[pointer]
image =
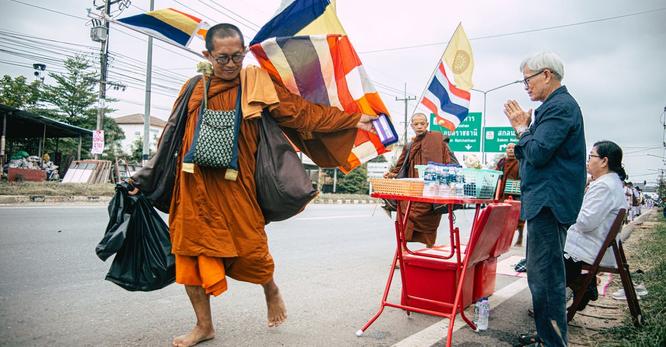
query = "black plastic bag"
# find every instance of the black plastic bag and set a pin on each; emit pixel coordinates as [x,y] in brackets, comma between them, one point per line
[283,186]
[144,261]
[119,217]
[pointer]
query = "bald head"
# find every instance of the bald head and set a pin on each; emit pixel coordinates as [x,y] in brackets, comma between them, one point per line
[419,115]
[419,123]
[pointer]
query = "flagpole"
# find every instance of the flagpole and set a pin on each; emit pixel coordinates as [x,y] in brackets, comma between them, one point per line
[146,110]
[418,102]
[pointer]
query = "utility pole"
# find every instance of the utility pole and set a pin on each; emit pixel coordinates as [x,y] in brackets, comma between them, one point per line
[103,62]
[146,111]
[406,99]
[483,116]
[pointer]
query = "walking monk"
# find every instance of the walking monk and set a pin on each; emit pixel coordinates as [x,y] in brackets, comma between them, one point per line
[216,224]
[426,146]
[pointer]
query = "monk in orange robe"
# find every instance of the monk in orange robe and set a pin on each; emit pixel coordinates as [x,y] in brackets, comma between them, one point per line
[509,167]
[426,146]
[216,224]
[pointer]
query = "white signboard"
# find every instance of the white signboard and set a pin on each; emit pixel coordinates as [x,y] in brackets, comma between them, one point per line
[377,170]
[98,142]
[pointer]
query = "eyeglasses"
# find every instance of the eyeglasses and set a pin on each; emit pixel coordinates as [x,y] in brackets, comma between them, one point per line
[527,79]
[224,59]
[589,156]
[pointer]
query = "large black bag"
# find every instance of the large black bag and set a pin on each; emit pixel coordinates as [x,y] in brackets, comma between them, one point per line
[157,177]
[283,186]
[143,261]
[119,217]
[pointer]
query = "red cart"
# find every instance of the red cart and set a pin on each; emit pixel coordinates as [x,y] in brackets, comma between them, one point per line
[443,281]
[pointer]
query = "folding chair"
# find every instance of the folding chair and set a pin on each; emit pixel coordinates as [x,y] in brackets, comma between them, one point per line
[442,287]
[622,269]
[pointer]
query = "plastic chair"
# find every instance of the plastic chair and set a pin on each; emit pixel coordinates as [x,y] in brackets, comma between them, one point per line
[622,269]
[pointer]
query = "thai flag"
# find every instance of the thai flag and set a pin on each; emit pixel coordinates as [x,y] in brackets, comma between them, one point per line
[306,48]
[449,104]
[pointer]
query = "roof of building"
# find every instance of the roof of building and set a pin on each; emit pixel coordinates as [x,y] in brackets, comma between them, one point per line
[24,124]
[137,118]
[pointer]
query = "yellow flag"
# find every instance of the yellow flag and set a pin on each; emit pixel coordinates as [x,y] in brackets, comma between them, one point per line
[458,56]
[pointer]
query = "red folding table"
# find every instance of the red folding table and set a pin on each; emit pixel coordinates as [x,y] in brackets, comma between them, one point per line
[452,254]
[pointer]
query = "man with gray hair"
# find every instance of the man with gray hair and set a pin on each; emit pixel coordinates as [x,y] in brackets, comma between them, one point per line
[551,152]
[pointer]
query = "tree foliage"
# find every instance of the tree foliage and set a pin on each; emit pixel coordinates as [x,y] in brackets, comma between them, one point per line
[355,182]
[18,93]
[73,100]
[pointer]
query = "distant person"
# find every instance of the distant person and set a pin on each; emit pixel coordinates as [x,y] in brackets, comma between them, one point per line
[601,203]
[426,146]
[510,170]
[551,152]
[629,197]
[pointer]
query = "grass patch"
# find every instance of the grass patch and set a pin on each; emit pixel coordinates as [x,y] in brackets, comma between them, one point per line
[56,189]
[651,258]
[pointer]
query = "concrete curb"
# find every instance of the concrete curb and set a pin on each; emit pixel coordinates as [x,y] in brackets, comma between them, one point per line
[50,199]
[55,199]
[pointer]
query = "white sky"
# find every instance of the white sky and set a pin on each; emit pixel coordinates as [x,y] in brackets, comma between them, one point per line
[614,67]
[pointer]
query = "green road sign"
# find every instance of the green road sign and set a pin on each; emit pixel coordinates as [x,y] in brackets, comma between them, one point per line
[496,139]
[467,137]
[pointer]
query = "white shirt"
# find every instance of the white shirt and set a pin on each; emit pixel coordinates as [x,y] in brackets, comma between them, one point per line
[601,203]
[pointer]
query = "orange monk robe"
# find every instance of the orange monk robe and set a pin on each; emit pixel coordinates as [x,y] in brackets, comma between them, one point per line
[216,225]
[422,223]
[509,168]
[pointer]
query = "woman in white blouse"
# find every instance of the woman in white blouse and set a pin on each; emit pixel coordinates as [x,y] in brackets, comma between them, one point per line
[602,201]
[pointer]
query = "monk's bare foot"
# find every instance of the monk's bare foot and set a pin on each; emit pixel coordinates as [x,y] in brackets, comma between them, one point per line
[277,312]
[197,335]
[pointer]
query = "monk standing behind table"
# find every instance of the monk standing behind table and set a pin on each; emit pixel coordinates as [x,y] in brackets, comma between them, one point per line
[216,223]
[510,168]
[426,146]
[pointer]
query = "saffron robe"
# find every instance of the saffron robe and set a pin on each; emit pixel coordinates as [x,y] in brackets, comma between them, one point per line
[216,225]
[422,223]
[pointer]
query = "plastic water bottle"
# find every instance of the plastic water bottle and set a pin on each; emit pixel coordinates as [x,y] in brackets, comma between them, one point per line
[484,313]
[430,181]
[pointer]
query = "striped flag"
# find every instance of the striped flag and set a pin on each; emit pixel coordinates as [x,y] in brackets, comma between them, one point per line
[449,102]
[168,25]
[305,47]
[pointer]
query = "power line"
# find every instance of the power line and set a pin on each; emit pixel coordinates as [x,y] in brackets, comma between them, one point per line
[254,27]
[517,32]
[50,10]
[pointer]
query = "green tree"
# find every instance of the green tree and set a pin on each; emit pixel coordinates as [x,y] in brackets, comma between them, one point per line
[18,93]
[136,154]
[73,100]
[355,182]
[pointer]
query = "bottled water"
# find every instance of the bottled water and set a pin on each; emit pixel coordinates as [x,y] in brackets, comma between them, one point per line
[484,313]
[430,181]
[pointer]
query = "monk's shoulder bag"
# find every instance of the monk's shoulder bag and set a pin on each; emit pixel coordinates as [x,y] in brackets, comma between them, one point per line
[215,140]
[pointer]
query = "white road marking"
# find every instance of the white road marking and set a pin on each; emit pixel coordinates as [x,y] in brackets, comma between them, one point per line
[434,333]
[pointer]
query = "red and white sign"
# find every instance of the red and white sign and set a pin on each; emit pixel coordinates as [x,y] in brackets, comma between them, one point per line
[98,142]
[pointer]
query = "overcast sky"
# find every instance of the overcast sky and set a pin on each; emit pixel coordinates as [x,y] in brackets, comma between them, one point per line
[613,52]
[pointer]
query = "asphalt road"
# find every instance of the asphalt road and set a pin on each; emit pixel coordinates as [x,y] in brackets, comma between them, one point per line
[332,262]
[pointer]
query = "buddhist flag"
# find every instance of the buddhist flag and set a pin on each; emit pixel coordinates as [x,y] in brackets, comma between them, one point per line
[169,25]
[305,46]
[447,100]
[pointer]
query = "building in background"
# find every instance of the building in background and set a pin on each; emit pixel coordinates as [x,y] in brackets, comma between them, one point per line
[132,126]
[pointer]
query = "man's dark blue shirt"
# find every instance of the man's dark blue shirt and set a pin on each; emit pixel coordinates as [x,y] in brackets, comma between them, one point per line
[552,159]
